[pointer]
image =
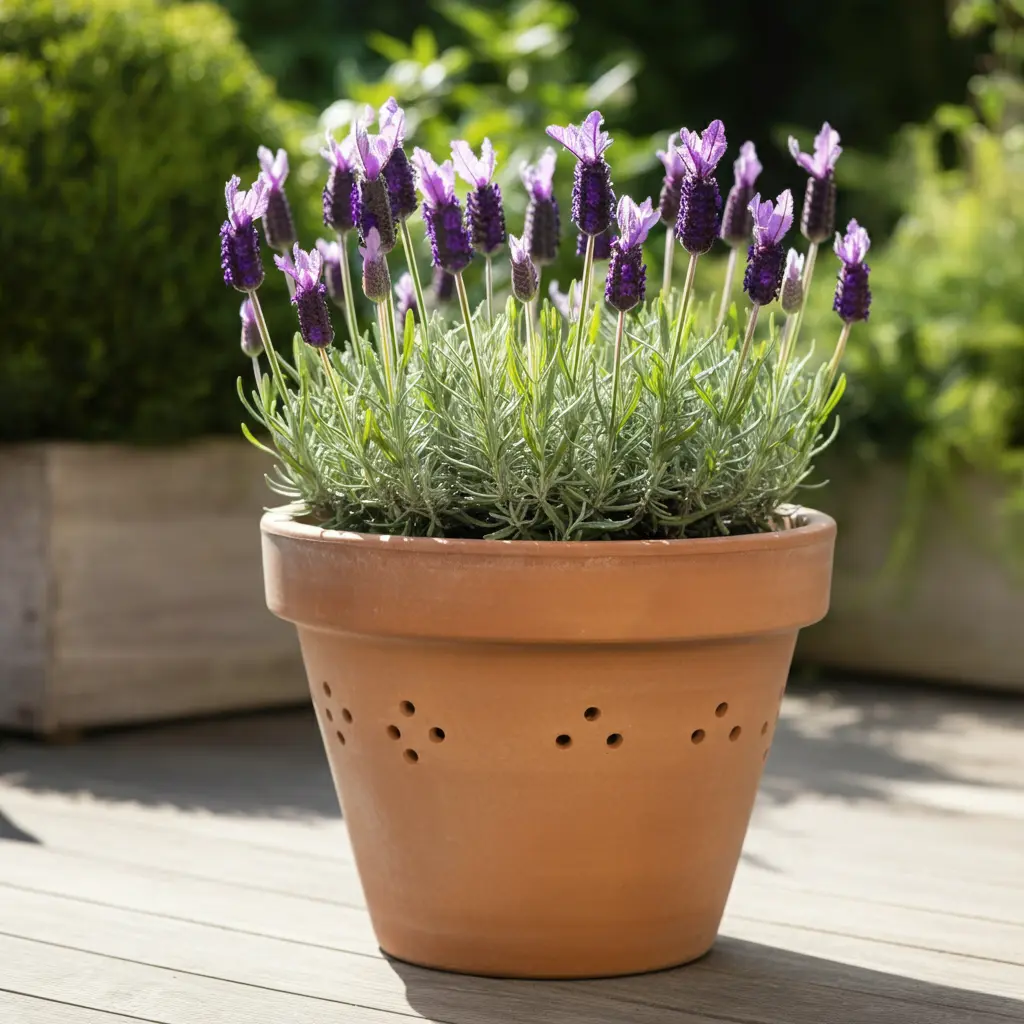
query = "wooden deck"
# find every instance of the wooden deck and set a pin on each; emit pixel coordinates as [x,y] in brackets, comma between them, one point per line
[200,874]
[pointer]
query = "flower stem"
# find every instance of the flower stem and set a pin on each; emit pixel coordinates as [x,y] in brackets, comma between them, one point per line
[385,349]
[333,378]
[837,356]
[531,344]
[616,369]
[691,271]
[670,251]
[588,275]
[489,282]
[410,259]
[460,287]
[397,346]
[268,345]
[794,334]
[730,274]
[350,302]
[748,338]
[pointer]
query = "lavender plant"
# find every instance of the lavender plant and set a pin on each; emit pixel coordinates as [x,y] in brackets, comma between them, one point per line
[631,416]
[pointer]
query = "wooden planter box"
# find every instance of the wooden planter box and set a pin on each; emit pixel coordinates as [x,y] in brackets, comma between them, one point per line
[131,586]
[955,612]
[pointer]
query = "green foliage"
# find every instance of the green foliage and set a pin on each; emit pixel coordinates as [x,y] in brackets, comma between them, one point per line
[512,433]
[120,120]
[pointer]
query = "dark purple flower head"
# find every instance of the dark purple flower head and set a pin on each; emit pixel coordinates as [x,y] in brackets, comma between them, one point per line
[278,225]
[539,178]
[675,170]
[341,193]
[240,258]
[625,285]
[853,295]
[376,277]
[405,299]
[525,279]
[398,172]
[792,295]
[826,152]
[763,277]
[737,222]
[332,255]
[602,244]
[252,343]
[542,226]
[701,151]
[700,206]
[450,244]
[314,320]
[484,208]
[593,198]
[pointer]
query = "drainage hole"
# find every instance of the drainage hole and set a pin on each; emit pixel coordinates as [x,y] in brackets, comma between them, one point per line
[407,708]
[592,714]
[697,736]
[330,714]
[411,756]
[437,735]
[721,710]
[615,740]
[394,732]
[327,689]
[564,741]
[735,733]
[764,728]
[341,737]
[346,714]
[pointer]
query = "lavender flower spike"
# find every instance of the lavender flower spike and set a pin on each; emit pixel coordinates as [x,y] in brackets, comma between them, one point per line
[525,279]
[737,222]
[332,254]
[252,343]
[405,300]
[314,321]
[484,208]
[593,198]
[542,225]
[341,193]
[675,171]
[374,199]
[818,217]
[792,296]
[278,225]
[763,278]
[450,244]
[398,173]
[240,258]
[700,202]
[853,295]
[376,278]
[625,286]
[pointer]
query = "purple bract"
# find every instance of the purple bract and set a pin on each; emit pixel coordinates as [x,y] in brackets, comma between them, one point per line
[700,152]
[826,152]
[771,220]
[539,178]
[585,141]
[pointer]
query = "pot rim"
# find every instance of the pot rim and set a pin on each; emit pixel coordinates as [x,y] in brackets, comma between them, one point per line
[807,526]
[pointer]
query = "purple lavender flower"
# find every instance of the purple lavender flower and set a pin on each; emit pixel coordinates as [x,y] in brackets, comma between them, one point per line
[443,285]
[332,254]
[341,193]
[763,278]
[484,209]
[602,244]
[374,199]
[700,202]
[792,296]
[737,223]
[818,217]
[675,171]
[252,343]
[626,284]
[398,173]
[853,296]
[405,299]
[239,241]
[450,244]
[376,277]
[278,225]
[314,320]
[525,279]
[542,227]
[593,198]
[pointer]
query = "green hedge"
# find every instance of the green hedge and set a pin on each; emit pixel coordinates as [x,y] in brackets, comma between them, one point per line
[119,122]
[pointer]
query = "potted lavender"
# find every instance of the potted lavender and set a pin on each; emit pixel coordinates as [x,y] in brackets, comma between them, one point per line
[542,558]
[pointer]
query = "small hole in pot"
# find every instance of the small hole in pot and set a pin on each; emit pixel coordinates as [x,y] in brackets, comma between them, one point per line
[407,708]
[341,737]
[394,732]
[735,733]
[764,728]
[697,736]
[437,735]
[327,690]
[411,756]
[721,710]
[329,714]
[592,714]
[615,740]
[346,714]
[564,741]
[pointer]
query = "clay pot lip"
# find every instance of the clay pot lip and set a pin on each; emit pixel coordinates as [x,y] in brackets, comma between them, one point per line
[809,527]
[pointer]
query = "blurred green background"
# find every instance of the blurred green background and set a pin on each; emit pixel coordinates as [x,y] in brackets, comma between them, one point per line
[121,119]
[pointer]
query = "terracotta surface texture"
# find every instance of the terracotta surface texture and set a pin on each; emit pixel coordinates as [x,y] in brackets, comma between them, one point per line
[547,753]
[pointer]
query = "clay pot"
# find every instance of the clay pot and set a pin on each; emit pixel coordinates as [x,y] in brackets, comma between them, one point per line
[547,753]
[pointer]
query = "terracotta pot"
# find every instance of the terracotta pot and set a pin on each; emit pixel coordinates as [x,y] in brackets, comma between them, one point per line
[547,753]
